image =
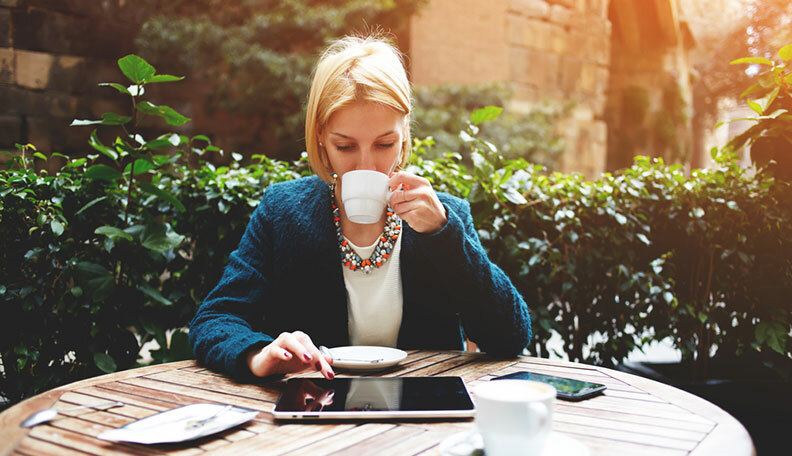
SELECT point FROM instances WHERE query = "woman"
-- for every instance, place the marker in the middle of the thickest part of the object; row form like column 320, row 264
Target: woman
column 407, row 281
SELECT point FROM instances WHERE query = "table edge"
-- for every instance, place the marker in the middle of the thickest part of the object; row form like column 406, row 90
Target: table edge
column 11, row 432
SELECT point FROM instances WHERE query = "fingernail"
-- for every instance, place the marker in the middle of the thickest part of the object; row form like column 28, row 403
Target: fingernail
column 307, row 357
column 331, row 374
column 286, row 355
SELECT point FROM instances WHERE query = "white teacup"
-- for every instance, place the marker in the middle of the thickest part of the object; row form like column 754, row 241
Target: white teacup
column 365, row 194
column 514, row 417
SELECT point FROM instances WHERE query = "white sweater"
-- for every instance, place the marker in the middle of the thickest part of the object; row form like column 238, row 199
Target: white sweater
column 374, row 300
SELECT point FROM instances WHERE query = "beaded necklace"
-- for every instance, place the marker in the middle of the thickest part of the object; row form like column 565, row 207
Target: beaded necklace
column 382, row 250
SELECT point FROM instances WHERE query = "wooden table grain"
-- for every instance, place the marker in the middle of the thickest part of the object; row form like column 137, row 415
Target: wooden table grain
column 635, row 416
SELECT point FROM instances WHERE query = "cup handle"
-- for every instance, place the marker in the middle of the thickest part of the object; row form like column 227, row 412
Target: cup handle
column 542, row 413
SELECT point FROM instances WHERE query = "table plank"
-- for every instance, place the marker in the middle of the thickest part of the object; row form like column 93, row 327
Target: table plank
column 342, row 440
column 622, row 422
column 204, row 395
column 30, row 446
column 261, row 392
column 635, row 416
column 282, row 439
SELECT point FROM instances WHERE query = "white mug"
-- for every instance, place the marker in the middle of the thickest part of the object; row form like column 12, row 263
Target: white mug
column 514, row 417
column 364, row 194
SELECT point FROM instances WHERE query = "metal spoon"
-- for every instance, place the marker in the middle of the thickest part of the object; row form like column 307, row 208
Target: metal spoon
column 326, row 351
column 42, row 416
column 192, row 424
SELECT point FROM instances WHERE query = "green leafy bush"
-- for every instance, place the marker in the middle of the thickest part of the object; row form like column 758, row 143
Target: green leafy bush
column 252, row 59
column 443, row 111
column 770, row 98
column 120, row 248
column 651, row 253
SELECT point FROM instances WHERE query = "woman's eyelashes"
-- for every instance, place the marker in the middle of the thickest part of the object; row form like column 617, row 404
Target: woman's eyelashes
column 347, row 147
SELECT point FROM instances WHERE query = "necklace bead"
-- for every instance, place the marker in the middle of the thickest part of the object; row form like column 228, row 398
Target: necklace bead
column 349, row 258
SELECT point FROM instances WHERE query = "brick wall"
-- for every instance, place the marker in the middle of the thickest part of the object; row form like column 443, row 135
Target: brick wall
column 52, row 55
column 459, row 41
column 559, row 51
column 549, row 50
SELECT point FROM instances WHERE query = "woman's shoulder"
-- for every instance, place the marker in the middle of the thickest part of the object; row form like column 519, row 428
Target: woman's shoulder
column 291, row 201
column 295, row 188
column 293, row 192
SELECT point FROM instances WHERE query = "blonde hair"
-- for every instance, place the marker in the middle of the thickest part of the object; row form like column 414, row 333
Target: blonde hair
column 352, row 69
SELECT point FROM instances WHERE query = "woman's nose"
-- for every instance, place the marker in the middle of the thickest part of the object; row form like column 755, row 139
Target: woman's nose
column 366, row 160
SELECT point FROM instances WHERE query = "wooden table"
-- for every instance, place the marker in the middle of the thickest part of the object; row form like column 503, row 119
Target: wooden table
column 635, row 416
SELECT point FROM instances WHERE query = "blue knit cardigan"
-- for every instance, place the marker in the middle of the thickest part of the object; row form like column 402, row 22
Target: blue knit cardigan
column 286, row 275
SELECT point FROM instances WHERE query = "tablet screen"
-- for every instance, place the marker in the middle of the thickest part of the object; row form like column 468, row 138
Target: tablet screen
column 372, row 397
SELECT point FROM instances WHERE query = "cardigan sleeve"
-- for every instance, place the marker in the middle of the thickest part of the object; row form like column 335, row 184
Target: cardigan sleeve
column 221, row 333
column 492, row 311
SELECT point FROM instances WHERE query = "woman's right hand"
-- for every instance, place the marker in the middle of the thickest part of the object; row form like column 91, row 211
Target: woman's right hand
column 290, row 352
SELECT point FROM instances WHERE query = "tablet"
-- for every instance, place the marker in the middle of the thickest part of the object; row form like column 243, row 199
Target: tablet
column 374, row 398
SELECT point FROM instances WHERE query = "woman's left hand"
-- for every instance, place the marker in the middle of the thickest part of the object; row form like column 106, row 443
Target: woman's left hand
column 415, row 201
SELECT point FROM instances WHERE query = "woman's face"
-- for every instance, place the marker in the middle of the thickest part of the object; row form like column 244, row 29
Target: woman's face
column 364, row 135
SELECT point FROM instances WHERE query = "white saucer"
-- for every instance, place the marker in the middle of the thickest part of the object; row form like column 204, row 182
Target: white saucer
column 470, row 444
column 180, row 424
column 366, row 357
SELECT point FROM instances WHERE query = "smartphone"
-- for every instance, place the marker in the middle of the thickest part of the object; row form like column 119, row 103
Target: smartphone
column 567, row 388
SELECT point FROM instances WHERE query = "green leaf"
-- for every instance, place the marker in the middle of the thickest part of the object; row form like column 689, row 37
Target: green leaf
column 94, row 142
column 785, row 52
column 136, row 69
column 96, row 282
column 163, row 142
column 56, row 227
column 101, row 198
column 768, row 99
column 164, row 78
column 142, row 166
column 154, row 294
column 180, row 348
column 116, row 86
column 773, row 334
column 108, row 118
column 485, row 114
column 105, row 362
column 758, row 60
column 463, row 135
column 757, row 108
column 162, row 194
column 160, row 237
column 482, row 166
column 113, row 233
column 753, row 88
column 514, row 196
column 103, row 172
column 166, row 112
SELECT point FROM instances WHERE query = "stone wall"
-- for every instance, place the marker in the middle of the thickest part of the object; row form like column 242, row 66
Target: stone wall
column 650, row 69
column 595, row 53
column 52, row 55
column 549, row 50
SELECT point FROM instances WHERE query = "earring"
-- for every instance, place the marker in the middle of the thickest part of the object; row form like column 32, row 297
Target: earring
column 321, row 144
